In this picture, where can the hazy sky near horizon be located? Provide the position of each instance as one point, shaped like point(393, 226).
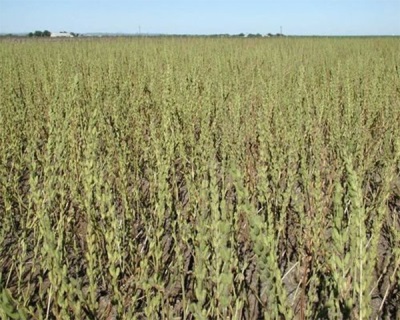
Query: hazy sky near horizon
point(319, 17)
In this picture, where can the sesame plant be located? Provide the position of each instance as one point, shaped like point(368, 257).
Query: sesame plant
point(195, 178)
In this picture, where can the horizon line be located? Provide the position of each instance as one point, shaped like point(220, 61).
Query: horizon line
point(205, 34)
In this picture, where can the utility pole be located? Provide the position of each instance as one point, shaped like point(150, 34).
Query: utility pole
point(281, 31)
point(139, 31)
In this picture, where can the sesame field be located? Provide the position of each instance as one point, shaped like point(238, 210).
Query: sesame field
point(200, 178)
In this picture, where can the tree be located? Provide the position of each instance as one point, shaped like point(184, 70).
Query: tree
point(257, 35)
point(38, 33)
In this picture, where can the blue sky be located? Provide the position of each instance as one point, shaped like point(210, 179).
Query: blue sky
point(323, 17)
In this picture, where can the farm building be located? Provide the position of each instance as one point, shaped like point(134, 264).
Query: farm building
point(61, 35)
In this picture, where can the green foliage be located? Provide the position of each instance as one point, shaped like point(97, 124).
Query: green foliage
point(38, 33)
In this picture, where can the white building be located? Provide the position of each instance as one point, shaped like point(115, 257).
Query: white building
point(61, 35)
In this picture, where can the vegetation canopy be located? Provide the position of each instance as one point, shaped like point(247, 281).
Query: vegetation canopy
point(194, 178)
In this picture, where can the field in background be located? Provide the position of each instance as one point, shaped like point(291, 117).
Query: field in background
point(200, 178)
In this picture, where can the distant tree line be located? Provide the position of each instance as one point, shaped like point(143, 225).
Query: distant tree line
point(259, 35)
point(47, 33)
point(37, 33)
